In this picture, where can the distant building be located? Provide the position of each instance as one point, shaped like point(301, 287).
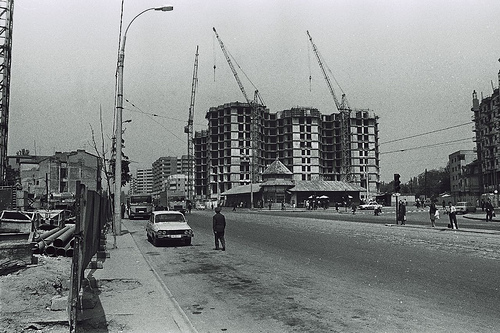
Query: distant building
point(163, 167)
point(306, 141)
point(177, 183)
point(58, 174)
point(464, 176)
point(142, 182)
point(487, 128)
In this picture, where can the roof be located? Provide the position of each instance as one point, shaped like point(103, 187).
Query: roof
point(171, 212)
point(278, 182)
point(277, 168)
point(300, 186)
point(241, 189)
point(325, 186)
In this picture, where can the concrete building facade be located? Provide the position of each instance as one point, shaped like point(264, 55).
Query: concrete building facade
point(307, 142)
point(142, 182)
point(58, 173)
point(486, 117)
point(464, 178)
point(163, 167)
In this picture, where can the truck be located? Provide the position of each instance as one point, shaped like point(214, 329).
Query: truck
point(140, 205)
point(172, 200)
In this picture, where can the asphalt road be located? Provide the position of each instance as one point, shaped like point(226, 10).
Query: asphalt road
point(295, 272)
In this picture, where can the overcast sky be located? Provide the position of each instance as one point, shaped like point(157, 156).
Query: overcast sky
point(414, 63)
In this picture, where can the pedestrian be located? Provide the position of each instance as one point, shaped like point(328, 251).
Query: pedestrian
point(402, 212)
point(337, 207)
point(432, 213)
point(489, 210)
point(219, 226)
point(122, 207)
point(353, 208)
point(452, 213)
point(189, 207)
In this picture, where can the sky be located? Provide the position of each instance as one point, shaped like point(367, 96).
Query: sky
point(414, 63)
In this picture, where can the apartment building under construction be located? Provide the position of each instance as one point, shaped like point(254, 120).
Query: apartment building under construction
point(234, 149)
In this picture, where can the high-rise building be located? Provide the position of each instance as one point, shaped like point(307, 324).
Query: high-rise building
point(233, 150)
point(166, 166)
point(487, 137)
point(142, 182)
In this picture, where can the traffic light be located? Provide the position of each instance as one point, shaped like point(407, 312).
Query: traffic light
point(397, 183)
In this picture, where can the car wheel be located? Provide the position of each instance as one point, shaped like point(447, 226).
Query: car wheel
point(187, 241)
point(156, 242)
point(149, 237)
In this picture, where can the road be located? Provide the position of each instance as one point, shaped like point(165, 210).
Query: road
point(298, 273)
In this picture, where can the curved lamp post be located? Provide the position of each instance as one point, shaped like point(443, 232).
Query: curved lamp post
point(118, 133)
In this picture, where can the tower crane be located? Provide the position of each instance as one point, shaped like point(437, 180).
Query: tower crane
point(345, 115)
point(189, 128)
point(253, 105)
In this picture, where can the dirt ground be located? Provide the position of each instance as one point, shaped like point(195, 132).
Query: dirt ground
point(25, 296)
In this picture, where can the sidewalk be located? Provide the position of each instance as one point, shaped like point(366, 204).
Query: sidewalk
point(480, 215)
point(131, 297)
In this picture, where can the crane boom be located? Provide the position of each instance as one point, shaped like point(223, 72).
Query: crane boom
point(325, 74)
point(230, 63)
point(189, 127)
point(345, 112)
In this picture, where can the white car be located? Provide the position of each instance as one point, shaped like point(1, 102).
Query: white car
point(371, 206)
point(465, 207)
point(167, 225)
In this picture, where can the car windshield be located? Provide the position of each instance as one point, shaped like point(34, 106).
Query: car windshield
point(169, 218)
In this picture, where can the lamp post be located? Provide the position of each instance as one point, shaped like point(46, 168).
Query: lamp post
point(118, 133)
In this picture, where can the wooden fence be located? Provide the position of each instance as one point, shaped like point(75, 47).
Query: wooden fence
point(93, 211)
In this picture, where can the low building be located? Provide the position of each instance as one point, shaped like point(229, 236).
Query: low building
point(279, 190)
point(56, 176)
point(464, 176)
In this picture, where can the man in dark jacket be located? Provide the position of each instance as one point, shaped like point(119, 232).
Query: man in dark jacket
point(219, 224)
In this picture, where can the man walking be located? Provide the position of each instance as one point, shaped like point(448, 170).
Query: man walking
point(432, 213)
point(219, 225)
point(453, 215)
point(489, 211)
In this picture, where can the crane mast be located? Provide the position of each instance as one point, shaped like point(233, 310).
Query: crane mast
point(189, 128)
point(345, 115)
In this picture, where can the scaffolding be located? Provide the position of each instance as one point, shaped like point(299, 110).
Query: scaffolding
point(6, 14)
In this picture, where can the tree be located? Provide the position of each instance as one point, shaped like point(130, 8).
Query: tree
point(429, 183)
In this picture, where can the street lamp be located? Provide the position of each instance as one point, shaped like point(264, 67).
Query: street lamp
point(118, 132)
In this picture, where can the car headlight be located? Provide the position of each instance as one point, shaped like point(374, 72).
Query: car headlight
point(162, 232)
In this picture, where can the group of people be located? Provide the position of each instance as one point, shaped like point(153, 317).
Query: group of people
point(451, 210)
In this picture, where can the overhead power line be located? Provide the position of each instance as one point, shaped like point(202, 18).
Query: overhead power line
point(426, 146)
point(422, 134)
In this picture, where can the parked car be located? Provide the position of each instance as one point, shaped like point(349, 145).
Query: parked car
point(167, 225)
point(371, 206)
point(464, 207)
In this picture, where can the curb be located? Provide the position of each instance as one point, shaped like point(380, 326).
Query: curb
point(180, 318)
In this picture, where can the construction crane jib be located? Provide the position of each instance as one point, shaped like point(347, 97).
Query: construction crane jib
point(345, 111)
point(189, 128)
point(254, 104)
point(230, 63)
